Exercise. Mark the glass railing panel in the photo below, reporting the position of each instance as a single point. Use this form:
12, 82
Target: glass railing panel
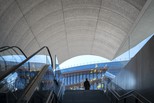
46, 87
47, 83
4, 47
2, 64
32, 67
8, 57
17, 81
20, 53
11, 56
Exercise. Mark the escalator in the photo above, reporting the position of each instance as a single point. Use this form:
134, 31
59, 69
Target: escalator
4, 47
10, 56
29, 80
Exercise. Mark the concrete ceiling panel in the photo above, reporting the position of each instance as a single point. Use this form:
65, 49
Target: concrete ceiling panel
40, 11
8, 20
27, 5
4, 5
54, 39
112, 29
102, 45
61, 53
104, 52
137, 3
32, 47
51, 31
118, 6
17, 32
108, 37
68, 27
115, 19
52, 19
25, 39
89, 24
81, 12
80, 34
80, 3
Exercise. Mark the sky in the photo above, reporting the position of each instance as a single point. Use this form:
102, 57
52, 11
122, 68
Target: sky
83, 60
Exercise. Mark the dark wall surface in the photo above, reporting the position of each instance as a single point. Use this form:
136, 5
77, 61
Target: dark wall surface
138, 74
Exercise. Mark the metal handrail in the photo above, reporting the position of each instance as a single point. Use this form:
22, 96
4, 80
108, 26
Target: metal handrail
31, 87
4, 47
50, 94
141, 97
7, 47
60, 92
121, 97
17, 66
128, 94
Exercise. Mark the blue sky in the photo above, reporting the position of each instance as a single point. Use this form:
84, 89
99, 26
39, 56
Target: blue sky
83, 60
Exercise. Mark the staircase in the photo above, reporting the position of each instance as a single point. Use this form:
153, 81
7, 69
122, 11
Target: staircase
84, 96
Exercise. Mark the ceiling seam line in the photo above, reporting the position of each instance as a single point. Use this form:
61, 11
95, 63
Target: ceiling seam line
22, 36
133, 5
104, 8
34, 7
44, 17
141, 13
39, 33
27, 23
118, 27
65, 28
96, 27
28, 44
8, 34
6, 9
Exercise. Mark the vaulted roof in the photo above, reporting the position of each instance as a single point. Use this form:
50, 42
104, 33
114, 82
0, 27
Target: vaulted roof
70, 27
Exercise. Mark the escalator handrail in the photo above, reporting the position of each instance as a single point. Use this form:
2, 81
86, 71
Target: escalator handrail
13, 49
4, 47
20, 64
31, 87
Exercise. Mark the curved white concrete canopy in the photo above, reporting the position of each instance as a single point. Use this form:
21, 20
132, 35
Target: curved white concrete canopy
69, 27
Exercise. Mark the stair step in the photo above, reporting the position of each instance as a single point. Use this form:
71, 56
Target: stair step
84, 96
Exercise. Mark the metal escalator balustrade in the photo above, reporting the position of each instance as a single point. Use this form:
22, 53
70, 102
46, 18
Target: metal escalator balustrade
10, 56
4, 47
24, 79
